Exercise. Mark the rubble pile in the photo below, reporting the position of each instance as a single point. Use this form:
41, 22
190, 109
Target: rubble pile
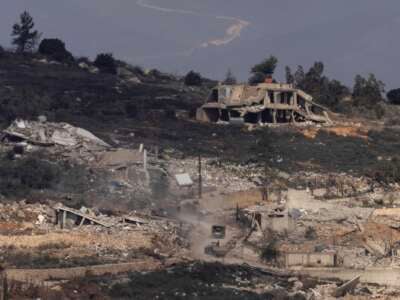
63, 138
226, 177
97, 236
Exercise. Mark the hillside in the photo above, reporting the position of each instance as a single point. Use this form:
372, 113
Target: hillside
109, 184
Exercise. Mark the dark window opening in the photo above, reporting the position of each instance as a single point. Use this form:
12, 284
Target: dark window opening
289, 97
251, 118
271, 96
234, 114
212, 114
283, 116
282, 98
266, 116
301, 102
317, 110
224, 115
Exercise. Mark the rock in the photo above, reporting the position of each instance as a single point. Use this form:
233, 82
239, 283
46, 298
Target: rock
134, 80
40, 219
42, 119
295, 213
83, 65
20, 214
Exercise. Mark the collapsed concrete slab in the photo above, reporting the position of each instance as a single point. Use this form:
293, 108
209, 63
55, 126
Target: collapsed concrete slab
264, 103
120, 158
78, 217
49, 134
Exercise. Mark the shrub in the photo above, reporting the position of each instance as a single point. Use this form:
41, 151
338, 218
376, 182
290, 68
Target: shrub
394, 96
270, 251
310, 233
387, 171
193, 79
18, 177
106, 63
55, 49
2, 52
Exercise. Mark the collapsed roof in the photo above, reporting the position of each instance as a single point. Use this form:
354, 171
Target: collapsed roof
264, 103
49, 134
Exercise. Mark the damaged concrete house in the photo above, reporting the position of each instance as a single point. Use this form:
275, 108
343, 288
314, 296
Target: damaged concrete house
265, 103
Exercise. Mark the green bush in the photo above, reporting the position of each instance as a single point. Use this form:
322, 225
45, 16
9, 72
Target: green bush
394, 96
2, 52
106, 63
193, 79
55, 49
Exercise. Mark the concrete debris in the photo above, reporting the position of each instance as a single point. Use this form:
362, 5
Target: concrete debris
49, 134
347, 287
378, 249
120, 158
387, 216
184, 180
82, 216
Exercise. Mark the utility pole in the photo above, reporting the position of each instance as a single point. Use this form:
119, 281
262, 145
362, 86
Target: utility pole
200, 178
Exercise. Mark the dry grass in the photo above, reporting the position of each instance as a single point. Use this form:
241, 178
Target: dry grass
129, 240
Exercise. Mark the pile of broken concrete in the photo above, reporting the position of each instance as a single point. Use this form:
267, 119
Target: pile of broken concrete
44, 133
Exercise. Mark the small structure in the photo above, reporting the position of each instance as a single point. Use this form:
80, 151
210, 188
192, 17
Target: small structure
264, 103
264, 217
314, 259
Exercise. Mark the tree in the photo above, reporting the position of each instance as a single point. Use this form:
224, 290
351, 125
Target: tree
256, 78
55, 49
394, 96
288, 75
230, 78
263, 70
24, 37
266, 67
193, 79
106, 63
299, 77
367, 91
324, 90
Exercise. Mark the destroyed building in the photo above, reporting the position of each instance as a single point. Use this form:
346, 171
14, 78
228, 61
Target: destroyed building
265, 103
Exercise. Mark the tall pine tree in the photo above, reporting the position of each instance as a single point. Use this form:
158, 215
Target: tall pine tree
24, 37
